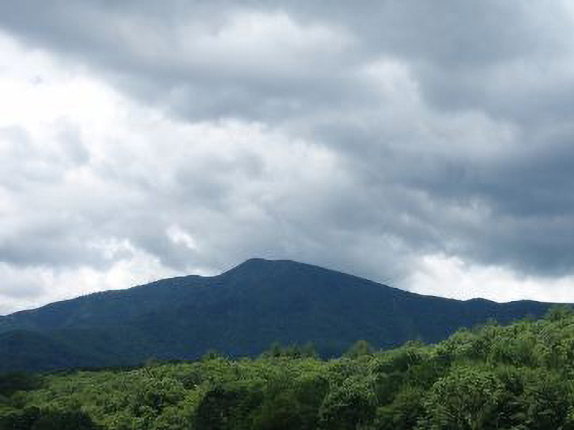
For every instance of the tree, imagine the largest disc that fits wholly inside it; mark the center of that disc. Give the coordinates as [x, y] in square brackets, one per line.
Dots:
[405, 411]
[348, 406]
[466, 399]
[360, 348]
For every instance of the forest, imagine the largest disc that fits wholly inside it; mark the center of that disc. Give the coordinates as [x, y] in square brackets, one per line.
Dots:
[518, 376]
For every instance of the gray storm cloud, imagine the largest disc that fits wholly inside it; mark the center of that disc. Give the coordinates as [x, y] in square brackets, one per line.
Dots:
[364, 137]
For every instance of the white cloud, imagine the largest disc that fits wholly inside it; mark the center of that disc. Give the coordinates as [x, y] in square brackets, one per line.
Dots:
[241, 42]
[193, 135]
[78, 224]
[450, 276]
[264, 42]
[29, 287]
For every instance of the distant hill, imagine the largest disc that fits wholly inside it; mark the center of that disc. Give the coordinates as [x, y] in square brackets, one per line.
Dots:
[240, 312]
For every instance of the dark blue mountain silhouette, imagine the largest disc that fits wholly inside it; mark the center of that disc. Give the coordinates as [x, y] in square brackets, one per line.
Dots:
[240, 312]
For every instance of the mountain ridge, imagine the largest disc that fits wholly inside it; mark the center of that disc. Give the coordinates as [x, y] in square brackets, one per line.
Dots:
[239, 266]
[238, 312]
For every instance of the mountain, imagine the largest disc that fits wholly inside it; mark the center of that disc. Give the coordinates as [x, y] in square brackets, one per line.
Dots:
[240, 312]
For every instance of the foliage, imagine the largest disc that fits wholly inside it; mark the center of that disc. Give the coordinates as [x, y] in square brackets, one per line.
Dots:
[517, 377]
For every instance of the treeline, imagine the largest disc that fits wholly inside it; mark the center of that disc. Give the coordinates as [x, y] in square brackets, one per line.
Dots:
[490, 377]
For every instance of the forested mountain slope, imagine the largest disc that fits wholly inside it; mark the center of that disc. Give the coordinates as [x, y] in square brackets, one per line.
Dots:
[240, 312]
[490, 377]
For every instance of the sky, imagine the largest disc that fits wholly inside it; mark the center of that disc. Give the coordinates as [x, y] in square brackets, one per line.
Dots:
[425, 145]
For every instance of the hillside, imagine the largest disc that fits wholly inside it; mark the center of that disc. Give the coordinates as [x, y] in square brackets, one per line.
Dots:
[240, 312]
[491, 377]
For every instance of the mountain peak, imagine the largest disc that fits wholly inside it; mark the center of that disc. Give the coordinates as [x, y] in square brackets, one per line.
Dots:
[240, 312]
[261, 265]
[258, 261]
[255, 261]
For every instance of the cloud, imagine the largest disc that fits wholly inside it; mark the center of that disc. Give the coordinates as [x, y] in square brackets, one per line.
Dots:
[463, 281]
[28, 287]
[410, 143]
